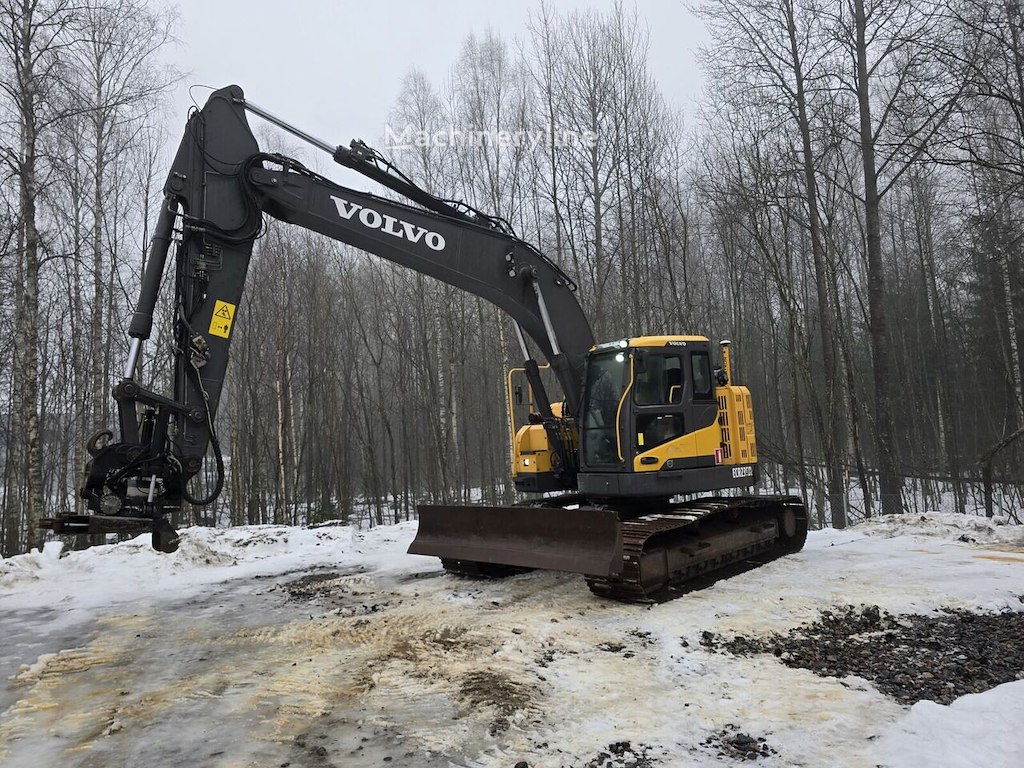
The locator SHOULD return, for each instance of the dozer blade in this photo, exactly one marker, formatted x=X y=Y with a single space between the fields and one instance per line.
x=583 y=540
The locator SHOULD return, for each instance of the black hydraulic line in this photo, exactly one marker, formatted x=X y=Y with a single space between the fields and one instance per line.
x=540 y=394
x=357 y=161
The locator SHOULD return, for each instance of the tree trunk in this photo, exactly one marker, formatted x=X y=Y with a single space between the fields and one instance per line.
x=834 y=439
x=26 y=365
x=889 y=480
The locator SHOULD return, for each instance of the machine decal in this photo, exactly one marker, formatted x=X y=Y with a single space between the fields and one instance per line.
x=389 y=225
x=223 y=316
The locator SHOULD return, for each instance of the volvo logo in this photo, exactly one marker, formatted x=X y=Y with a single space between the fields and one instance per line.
x=389 y=225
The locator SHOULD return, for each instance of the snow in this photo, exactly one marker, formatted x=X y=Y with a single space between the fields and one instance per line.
x=122 y=655
x=976 y=730
x=83 y=580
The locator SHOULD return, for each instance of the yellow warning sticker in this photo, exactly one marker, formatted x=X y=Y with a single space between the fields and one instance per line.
x=223 y=316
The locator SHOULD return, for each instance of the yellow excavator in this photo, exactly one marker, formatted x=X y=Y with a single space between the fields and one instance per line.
x=615 y=450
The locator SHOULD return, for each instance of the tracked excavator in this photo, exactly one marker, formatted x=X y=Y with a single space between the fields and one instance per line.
x=618 y=441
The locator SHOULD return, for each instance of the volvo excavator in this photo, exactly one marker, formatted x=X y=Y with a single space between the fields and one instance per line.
x=618 y=441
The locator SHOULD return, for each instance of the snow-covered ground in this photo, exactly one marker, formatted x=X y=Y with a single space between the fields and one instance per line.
x=266 y=646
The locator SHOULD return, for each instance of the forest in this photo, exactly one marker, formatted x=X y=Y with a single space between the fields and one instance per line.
x=842 y=206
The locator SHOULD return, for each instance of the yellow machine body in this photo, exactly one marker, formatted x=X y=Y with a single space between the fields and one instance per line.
x=727 y=440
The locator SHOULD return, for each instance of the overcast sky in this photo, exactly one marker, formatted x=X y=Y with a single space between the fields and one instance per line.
x=335 y=68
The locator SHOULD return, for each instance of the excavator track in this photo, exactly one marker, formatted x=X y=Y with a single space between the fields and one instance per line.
x=692 y=545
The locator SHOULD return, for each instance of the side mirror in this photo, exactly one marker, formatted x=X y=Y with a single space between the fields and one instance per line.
x=720 y=378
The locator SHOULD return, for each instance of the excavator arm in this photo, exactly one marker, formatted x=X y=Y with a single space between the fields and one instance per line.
x=219 y=187
x=483 y=261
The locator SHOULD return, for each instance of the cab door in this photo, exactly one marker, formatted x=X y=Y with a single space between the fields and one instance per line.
x=605 y=420
x=659 y=399
x=673 y=395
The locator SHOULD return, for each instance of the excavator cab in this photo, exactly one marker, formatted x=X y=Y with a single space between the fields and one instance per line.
x=653 y=422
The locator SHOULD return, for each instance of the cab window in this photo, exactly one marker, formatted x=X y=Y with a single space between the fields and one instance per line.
x=654 y=429
x=700 y=363
x=607 y=379
x=661 y=383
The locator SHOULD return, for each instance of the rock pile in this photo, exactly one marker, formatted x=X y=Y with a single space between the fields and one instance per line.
x=620 y=754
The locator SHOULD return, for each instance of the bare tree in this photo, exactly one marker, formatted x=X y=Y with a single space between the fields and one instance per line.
x=777 y=51
x=34 y=35
x=118 y=85
x=902 y=102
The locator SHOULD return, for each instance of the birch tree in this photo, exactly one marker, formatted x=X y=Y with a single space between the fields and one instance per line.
x=34 y=36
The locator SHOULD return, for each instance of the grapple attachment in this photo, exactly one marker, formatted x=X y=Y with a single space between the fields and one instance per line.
x=583 y=540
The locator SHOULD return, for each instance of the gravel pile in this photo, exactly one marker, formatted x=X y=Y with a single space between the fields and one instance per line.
x=908 y=657
x=345 y=592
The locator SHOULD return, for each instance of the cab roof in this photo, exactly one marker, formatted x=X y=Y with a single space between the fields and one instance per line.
x=649 y=342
